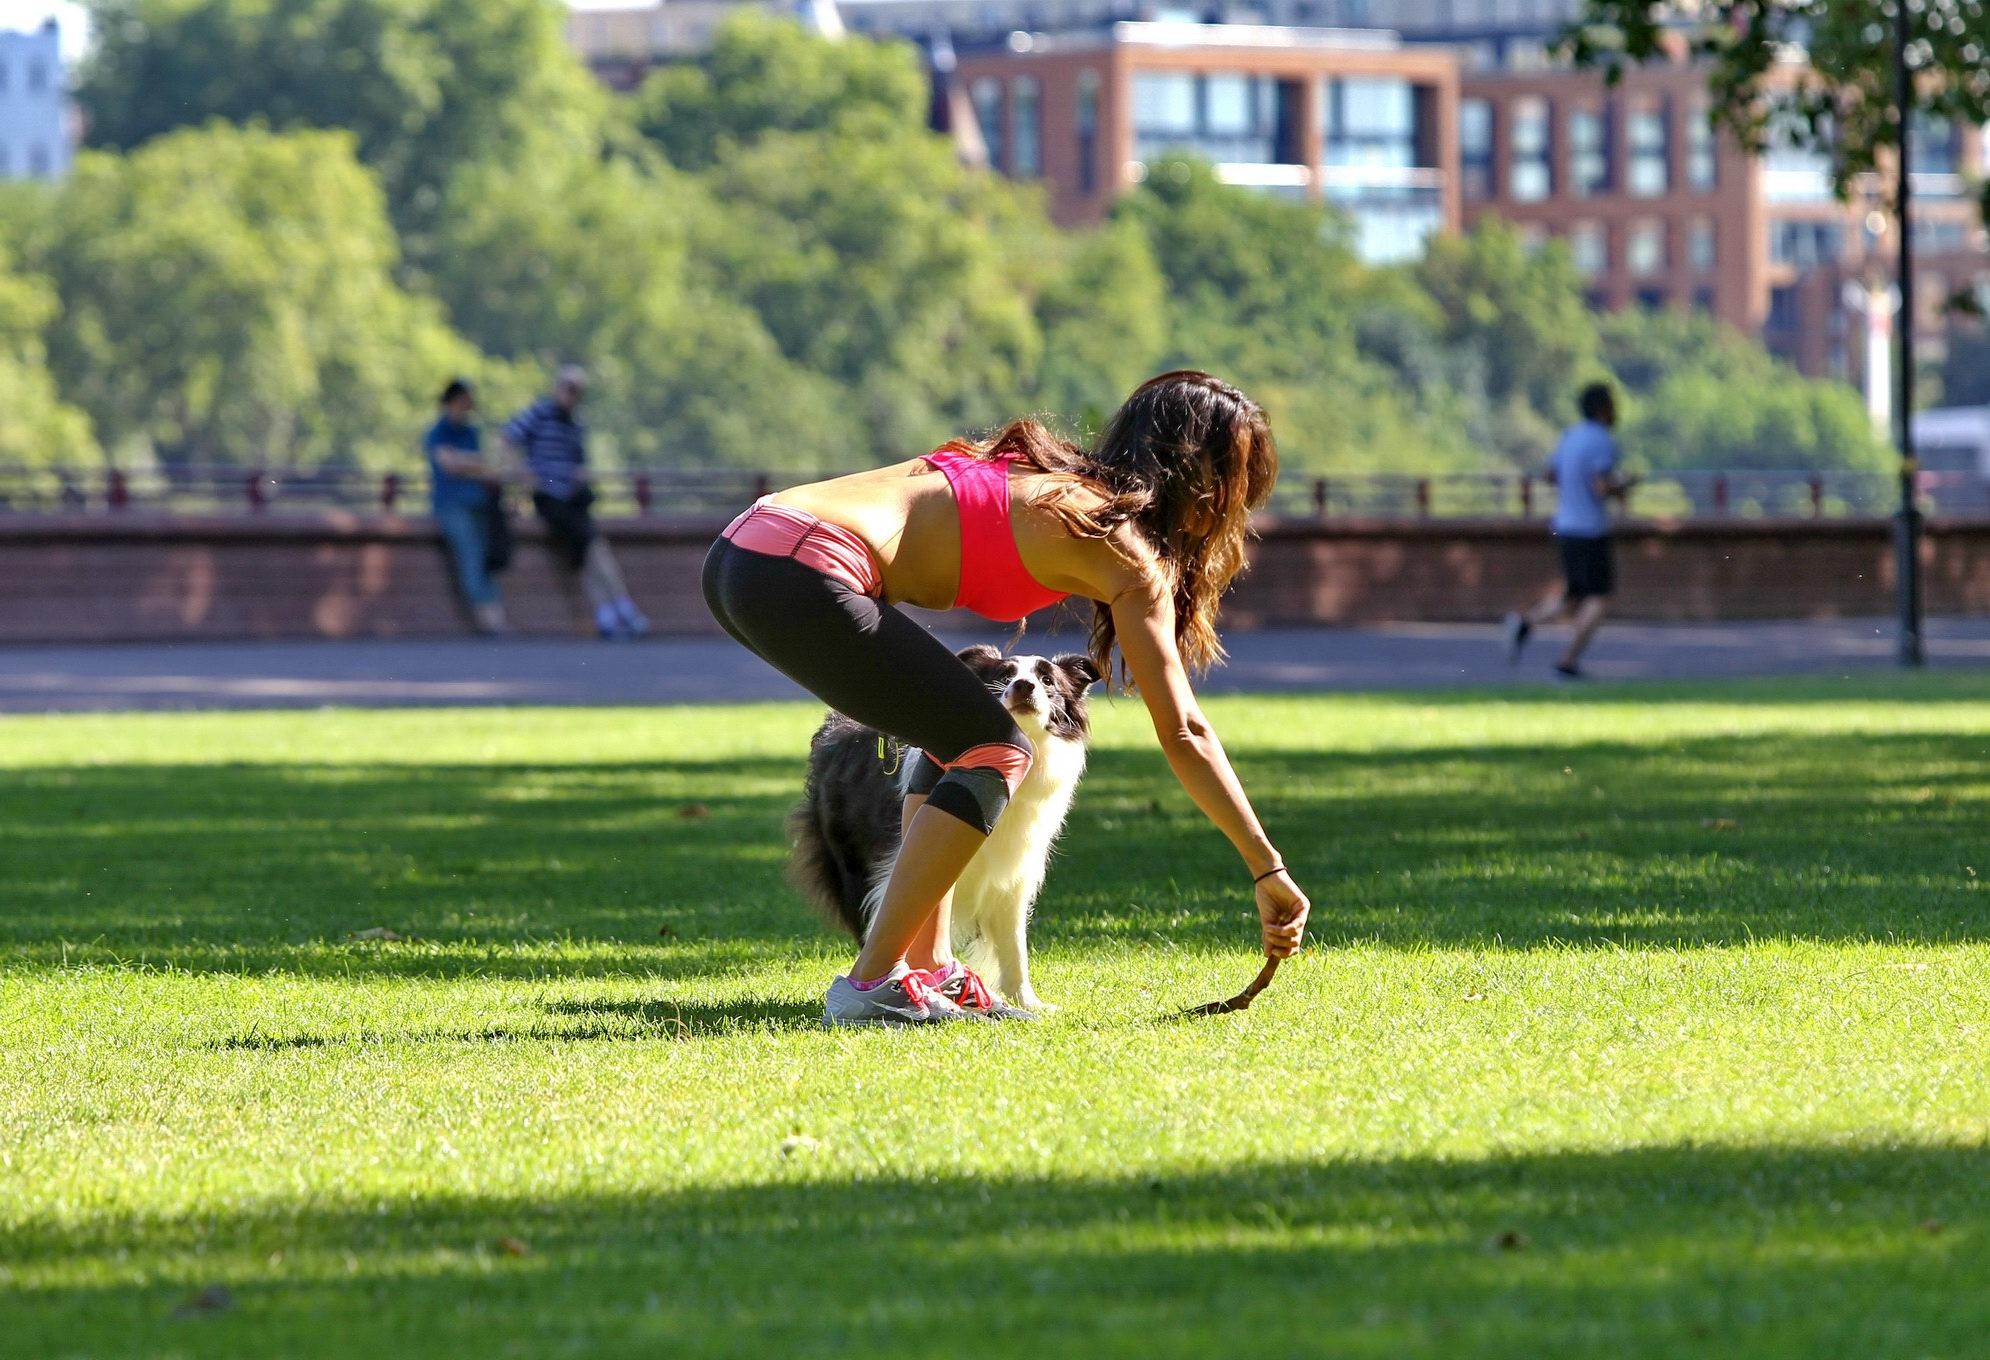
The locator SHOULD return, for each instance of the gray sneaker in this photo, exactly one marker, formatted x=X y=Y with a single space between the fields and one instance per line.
x=971 y=994
x=901 y=999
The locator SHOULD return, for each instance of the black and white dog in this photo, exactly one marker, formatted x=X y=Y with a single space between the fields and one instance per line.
x=845 y=830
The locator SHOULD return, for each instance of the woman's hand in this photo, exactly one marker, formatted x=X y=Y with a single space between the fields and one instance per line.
x=1282 y=909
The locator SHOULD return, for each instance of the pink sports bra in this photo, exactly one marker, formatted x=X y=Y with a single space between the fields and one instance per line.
x=994 y=583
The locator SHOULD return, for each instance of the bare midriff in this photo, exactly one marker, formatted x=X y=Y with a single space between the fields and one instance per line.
x=907 y=516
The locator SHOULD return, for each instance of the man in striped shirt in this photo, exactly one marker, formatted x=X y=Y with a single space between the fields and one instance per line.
x=551 y=441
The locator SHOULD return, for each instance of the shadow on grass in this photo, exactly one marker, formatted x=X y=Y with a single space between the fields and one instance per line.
x=590 y=870
x=571 y=1022
x=1654 y=1251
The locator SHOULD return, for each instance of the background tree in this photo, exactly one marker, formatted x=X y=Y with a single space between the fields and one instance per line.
x=1702 y=395
x=592 y=261
x=229 y=295
x=1518 y=311
x=37 y=427
x=423 y=86
x=765 y=74
x=1104 y=316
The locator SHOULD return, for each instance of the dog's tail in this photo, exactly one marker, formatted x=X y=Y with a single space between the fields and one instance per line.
x=833 y=883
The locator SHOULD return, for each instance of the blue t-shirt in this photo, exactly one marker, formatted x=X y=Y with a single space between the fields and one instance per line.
x=446 y=490
x=1586 y=452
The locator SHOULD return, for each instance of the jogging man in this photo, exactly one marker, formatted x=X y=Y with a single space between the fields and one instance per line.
x=1584 y=471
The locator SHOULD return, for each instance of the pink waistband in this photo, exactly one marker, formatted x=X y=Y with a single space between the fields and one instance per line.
x=777 y=531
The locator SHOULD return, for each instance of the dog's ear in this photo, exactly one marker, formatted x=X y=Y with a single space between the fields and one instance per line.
x=980 y=656
x=1079 y=667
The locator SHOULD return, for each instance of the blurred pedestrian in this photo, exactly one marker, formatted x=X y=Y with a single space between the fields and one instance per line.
x=465 y=492
x=1584 y=471
x=550 y=438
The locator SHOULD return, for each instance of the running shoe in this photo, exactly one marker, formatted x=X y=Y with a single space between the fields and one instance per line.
x=1567 y=672
x=901 y=999
x=1518 y=630
x=961 y=985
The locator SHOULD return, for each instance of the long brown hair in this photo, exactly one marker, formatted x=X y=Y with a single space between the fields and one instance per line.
x=1183 y=464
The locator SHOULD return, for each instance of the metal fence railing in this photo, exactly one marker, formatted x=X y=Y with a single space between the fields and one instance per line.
x=1708 y=494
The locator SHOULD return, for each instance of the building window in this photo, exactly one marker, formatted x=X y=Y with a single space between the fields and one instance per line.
x=1228 y=119
x=1650 y=172
x=1796 y=165
x=1702 y=245
x=1026 y=120
x=1088 y=132
x=1702 y=150
x=1370 y=122
x=1936 y=153
x=1531 y=176
x=1589 y=247
x=1589 y=153
x=4 y=77
x=1164 y=104
x=37 y=76
x=1475 y=148
x=987 y=96
x=1651 y=299
x=1783 y=310
x=1644 y=248
x=1703 y=298
x=1805 y=245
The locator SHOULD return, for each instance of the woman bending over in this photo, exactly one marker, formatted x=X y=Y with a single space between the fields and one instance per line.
x=1149 y=526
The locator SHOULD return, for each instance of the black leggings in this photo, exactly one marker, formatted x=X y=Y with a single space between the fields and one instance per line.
x=871 y=663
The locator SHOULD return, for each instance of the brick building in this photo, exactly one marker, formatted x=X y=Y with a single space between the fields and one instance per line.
x=1661 y=209
x=1354 y=117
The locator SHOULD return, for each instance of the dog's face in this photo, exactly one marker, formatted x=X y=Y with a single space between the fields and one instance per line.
x=1046 y=694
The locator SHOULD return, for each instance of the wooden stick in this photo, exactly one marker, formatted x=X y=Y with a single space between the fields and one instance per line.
x=1243 y=999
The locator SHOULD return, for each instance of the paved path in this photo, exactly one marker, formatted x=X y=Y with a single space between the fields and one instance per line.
x=311 y=674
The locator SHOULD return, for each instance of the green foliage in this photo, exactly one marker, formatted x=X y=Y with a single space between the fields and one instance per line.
x=37 y=427
x=229 y=295
x=765 y=74
x=554 y=261
x=1701 y=395
x=423 y=85
x=890 y=269
x=1519 y=311
x=1104 y=315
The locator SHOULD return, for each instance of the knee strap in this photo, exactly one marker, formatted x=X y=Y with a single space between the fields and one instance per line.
x=978 y=785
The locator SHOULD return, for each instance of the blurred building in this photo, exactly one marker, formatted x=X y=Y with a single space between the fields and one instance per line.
x=36 y=127
x=1351 y=117
x=1660 y=209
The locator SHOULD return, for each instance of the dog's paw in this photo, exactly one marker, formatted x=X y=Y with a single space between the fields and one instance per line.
x=1030 y=1001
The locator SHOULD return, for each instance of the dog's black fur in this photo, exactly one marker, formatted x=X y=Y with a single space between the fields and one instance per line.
x=847 y=823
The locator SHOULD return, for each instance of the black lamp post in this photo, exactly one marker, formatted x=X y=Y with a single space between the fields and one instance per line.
x=1907 y=528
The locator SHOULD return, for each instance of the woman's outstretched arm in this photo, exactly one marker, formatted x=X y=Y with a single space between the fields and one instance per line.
x=1144 y=618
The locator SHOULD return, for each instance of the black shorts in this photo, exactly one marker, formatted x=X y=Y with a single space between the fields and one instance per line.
x=569 y=521
x=1589 y=567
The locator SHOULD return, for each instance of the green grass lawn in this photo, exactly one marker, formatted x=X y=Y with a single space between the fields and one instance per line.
x=1638 y=1022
